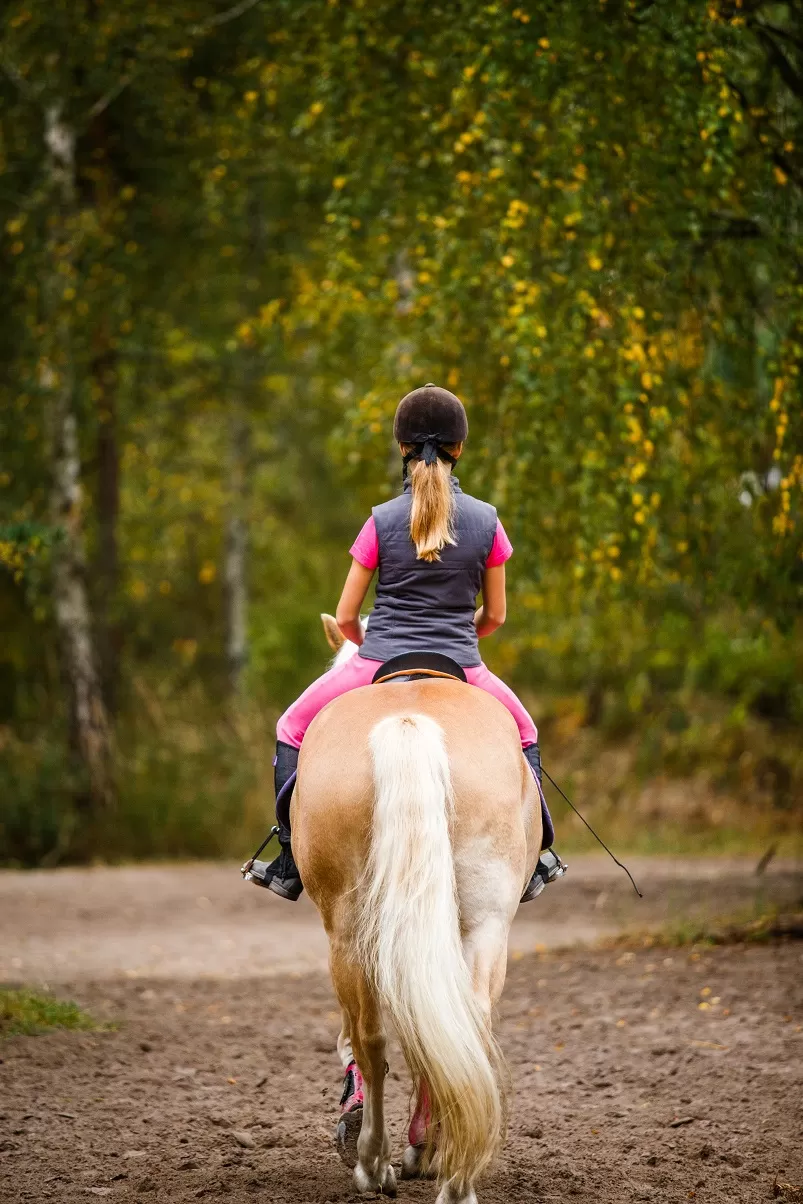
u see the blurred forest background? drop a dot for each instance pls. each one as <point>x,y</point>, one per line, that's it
<point>232,237</point>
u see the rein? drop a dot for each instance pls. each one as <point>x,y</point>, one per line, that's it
<point>593,833</point>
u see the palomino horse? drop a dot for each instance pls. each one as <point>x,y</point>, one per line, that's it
<point>416,826</point>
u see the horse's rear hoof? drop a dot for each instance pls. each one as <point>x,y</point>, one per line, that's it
<point>412,1164</point>
<point>346,1134</point>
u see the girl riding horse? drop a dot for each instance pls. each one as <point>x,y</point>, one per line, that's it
<point>436,549</point>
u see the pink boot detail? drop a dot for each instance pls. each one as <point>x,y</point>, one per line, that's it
<point>350,1123</point>
<point>353,1089</point>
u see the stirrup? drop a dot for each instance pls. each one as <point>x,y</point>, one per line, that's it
<point>549,869</point>
<point>253,870</point>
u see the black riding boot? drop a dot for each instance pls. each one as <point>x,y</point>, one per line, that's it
<point>549,865</point>
<point>282,876</point>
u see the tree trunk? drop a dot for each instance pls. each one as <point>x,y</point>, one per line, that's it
<point>72,609</point>
<point>104,379</point>
<point>236,550</point>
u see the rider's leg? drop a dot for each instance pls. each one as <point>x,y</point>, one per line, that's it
<point>549,865</point>
<point>348,675</point>
<point>481,675</point>
<point>282,876</point>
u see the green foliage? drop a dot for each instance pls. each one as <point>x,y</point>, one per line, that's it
<point>23,1012</point>
<point>283,216</point>
<point>42,792</point>
<point>190,784</point>
<point>589,214</point>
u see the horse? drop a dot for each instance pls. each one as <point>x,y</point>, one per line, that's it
<point>416,826</point>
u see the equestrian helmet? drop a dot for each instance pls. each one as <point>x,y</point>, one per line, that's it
<point>430,413</point>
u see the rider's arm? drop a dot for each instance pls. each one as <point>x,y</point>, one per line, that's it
<point>493,611</point>
<point>352,598</point>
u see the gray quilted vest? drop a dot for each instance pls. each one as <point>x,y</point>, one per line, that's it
<point>429,605</point>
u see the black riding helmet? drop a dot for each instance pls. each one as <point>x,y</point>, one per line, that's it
<point>428,418</point>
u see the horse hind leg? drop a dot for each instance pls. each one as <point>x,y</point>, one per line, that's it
<point>350,1122</point>
<point>415,1164</point>
<point>485,952</point>
<point>363,1024</point>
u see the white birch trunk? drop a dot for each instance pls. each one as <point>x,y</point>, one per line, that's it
<point>72,610</point>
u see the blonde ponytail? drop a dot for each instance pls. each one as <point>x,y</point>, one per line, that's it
<point>432,509</point>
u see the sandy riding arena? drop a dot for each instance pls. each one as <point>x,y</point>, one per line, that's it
<point>638,1073</point>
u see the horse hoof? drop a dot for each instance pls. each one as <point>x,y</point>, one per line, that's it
<point>346,1134</point>
<point>384,1186</point>
<point>449,1194</point>
<point>412,1159</point>
<point>388,1187</point>
<point>412,1164</point>
<point>363,1182</point>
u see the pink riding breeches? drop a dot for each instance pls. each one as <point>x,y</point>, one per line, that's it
<point>357,671</point>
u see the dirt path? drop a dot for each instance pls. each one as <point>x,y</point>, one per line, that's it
<point>220,1080</point>
<point>201,920</point>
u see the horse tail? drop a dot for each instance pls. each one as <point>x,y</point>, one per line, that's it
<point>408,939</point>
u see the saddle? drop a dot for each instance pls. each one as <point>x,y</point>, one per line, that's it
<point>409,666</point>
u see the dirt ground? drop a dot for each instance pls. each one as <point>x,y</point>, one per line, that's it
<point>653,1074</point>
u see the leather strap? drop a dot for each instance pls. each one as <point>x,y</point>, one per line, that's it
<point>415,673</point>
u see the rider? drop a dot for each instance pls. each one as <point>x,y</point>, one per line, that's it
<point>436,549</point>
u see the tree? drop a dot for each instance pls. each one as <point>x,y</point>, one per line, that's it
<point>597,206</point>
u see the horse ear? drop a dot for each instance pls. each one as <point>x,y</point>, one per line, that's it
<point>334,636</point>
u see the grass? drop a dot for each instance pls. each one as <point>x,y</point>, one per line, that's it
<point>755,926</point>
<point>27,1013</point>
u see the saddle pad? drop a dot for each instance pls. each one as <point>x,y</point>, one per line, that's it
<point>410,661</point>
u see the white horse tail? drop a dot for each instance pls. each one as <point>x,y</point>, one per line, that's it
<point>408,938</point>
